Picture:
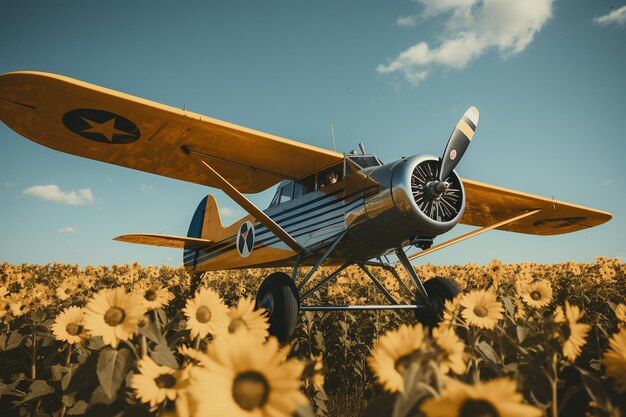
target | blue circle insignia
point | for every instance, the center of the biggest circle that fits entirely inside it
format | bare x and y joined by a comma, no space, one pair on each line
101,126
245,239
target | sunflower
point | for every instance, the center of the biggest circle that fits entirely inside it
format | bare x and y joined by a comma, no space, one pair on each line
69,325
450,311
244,318
245,378
393,353
614,359
452,348
313,373
206,313
193,356
496,398
153,296
154,382
481,309
537,294
620,312
575,332
113,314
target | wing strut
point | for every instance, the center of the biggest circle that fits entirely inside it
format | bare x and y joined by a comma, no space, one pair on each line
240,199
472,234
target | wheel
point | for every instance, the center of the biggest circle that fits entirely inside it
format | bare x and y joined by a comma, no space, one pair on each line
439,290
279,295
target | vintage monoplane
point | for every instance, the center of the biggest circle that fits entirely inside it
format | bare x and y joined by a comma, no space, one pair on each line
330,208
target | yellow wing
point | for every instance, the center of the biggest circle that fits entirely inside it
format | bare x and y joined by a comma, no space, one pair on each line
97,123
168,241
488,204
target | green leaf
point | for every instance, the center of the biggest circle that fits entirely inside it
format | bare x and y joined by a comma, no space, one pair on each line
113,365
162,355
522,332
151,332
79,408
488,352
14,340
508,305
38,388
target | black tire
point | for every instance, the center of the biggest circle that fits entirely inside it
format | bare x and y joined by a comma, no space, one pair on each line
439,290
279,295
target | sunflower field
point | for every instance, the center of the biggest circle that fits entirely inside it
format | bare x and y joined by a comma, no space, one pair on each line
520,340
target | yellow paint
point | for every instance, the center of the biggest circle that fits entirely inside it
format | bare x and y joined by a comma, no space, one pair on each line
33,104
465,128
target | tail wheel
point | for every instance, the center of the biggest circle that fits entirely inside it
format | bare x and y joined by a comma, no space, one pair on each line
279,296
439,290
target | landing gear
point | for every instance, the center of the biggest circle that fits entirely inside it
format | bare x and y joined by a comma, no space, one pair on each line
279,295
439,290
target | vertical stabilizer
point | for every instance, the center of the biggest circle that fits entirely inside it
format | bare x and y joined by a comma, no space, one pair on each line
205,224
212,228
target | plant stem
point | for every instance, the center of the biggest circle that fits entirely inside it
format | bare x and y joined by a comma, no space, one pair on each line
196,345
33,365
144,346
553,382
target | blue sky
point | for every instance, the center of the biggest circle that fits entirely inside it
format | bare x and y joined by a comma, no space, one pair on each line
547,77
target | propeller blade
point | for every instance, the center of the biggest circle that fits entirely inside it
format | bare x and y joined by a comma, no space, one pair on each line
458,142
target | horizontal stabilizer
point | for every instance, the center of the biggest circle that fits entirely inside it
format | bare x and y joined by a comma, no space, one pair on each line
168,241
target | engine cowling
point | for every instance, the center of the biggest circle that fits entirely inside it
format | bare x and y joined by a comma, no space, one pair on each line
408,203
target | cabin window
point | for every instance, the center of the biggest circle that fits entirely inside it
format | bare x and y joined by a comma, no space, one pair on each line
330,176
365,161
304,186
286,193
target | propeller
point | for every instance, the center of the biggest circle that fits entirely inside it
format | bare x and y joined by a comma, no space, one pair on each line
458,142
457,145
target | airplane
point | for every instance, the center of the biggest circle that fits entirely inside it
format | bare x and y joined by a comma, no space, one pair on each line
330,208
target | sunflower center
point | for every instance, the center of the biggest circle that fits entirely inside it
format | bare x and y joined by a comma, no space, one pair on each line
250,390
237,324
150,295
478,408
403,362
203,314
481,311
73,329
165,381
535,295
114,316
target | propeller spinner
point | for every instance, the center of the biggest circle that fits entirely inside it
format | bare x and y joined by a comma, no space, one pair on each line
456,147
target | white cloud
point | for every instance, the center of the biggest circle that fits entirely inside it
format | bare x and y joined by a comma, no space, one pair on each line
53,193
146,189
617,16
66,229
472,28
229,212
407,21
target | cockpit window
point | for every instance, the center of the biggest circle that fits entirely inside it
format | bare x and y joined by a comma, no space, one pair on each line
304,186
286,193
330,176
365,161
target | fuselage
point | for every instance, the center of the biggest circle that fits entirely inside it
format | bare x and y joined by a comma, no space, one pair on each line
372,204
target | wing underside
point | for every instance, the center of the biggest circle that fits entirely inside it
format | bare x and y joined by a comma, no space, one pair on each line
94,122
168,241
488,204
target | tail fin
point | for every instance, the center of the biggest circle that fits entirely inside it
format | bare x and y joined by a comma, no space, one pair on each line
212,225
206,222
